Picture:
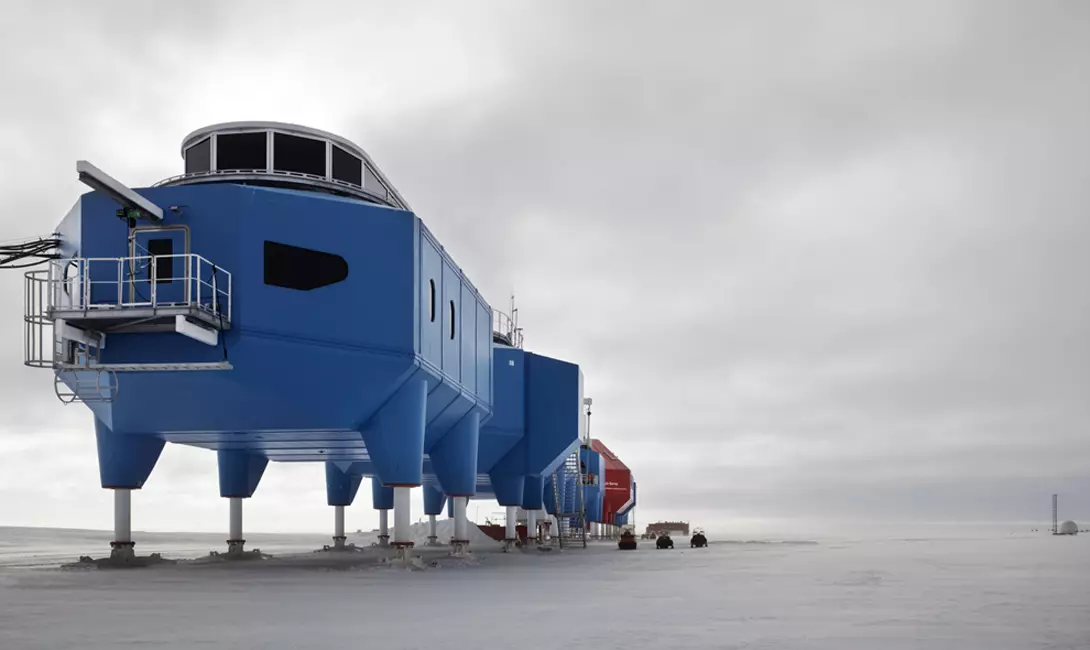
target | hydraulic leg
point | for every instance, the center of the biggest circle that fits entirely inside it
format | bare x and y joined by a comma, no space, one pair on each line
460,543
402,517
510,535
339,538
235,541
384,528
122,548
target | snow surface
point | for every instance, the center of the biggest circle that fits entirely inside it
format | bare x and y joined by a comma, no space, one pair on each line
444,531
1013,592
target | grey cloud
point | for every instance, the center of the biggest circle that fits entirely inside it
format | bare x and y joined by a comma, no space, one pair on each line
802,253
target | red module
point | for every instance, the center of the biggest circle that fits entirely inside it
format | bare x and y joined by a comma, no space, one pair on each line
617,481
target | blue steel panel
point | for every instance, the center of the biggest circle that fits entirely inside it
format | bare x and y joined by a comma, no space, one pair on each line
434,500
508,488
431,298
306,363
467,335
509,390
454,458
239,472
484,353
382,497
592,500
533,493
551,412
395,437
506,426
378,246
452,291
340,486
125,461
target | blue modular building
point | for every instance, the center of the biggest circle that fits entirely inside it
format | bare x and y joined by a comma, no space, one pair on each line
277,301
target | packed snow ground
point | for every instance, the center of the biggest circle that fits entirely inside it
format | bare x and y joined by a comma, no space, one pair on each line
1014,592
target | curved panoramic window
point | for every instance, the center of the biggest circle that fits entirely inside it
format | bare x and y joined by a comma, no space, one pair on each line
431,283
302,269
292,153
371,182
198,158
451,320
240,150
347,167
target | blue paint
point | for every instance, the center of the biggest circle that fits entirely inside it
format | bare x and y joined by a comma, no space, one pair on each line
533,493
434,500
361,358
125,461
240,472
508,489
340,486
540,397
382,496
592,492
395,438
455,457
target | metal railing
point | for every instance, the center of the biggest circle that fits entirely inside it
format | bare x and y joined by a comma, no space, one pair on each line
507,328
117,283
271,174
82,287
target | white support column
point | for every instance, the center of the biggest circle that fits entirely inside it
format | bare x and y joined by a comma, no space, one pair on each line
531,527
383,528
461,526
510,533
122,546
433,533
235,542
339,537
402,518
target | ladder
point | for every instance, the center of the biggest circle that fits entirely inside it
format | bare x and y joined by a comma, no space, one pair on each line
77,376
571,514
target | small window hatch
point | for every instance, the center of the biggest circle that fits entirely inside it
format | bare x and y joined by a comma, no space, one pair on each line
451,320
431,283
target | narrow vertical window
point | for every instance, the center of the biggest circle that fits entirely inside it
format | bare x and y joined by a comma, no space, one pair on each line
431,283
451,320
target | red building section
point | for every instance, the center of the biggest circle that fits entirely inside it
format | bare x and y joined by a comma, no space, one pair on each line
616,482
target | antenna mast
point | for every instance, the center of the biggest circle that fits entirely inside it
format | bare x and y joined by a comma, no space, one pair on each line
1055,514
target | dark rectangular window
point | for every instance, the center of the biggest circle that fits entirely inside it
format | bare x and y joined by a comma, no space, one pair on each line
294,154
198,158
163,265
303,269
240,151
347,167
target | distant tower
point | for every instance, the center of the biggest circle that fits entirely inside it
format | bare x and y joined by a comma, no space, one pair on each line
1055,514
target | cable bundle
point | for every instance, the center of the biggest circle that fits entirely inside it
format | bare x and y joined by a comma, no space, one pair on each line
14,256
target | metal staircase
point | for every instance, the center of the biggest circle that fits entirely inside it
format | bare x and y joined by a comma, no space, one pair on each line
571,514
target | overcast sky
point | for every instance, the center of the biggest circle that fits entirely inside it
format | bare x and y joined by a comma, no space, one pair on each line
816,260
